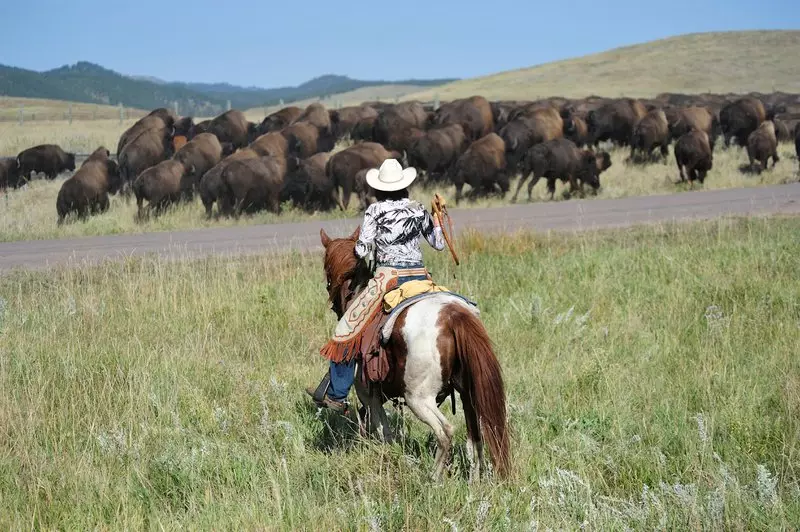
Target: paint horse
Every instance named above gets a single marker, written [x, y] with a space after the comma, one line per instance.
[437, 345]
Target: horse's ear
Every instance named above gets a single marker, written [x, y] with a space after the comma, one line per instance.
[324, 237]
[356, 233]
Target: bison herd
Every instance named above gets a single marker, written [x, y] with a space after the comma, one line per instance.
[243, 167]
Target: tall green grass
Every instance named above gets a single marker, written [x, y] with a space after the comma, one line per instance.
[652, 380]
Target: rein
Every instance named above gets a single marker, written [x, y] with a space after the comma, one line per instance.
[440, 211]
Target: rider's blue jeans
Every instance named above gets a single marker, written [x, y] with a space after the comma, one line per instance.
[342, 374]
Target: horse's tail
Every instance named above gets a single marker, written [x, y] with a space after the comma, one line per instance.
[483, 381]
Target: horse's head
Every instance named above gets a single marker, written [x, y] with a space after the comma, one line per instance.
[346, 274]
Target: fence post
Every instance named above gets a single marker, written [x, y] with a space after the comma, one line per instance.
[228, 105]
[70, 113]
[280, 102]
[21, 114]
[121, 112]
[435, 102]
[176, 107]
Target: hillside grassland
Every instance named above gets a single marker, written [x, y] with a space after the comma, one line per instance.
[39, 109]
[28, 214]
[651, 377]
[717, 62]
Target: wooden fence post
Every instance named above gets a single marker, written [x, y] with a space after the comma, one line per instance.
[228, 105]
[70, 113]
[435, 102]
[21, 114]
[176, 107]
[121, 113]
[280, 102]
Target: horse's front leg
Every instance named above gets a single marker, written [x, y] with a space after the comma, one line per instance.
[375, 414]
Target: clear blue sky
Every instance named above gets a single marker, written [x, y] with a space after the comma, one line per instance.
[271, 44]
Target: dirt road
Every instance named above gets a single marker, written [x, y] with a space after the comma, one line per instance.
[573, 215]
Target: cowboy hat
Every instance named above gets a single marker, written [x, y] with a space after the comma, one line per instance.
[391, 176]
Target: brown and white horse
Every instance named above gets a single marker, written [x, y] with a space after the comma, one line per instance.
[437, 345]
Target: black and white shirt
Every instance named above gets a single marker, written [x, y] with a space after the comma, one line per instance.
[393, 229]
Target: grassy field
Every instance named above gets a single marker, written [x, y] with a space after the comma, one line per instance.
[80, 137]
[38, 109]
[652, 382]
[737, 61]
[30, 213]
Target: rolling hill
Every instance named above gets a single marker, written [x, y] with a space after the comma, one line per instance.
[89, 83]
[720, 62]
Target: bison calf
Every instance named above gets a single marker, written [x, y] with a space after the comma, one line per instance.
[763, 144]
[87, 191]
[693, 156]
[562, 159]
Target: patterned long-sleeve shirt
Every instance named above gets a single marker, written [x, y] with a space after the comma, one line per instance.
[394, 228]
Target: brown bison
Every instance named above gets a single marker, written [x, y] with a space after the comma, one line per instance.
[49, 159]
[740, 118]
[693, 156]
[232, 126]
[87, 191]
[304, 140]
[344, 120]
[155, 119]
[683, 119]
[782, 131]
[147, 149]
[473, 114]
[198, 156]
[316, 115]
[437, 150]
[364, 130]
[272, 143]
[651, 132]
[761, 145]
[9, 173]
[212, 189]
[100, 154]
[576, 130]
[280, 119]
[562, 159]
[365, 193]
[307, 186]
[615, 121]
[198, 128]
[530, 126]
[254, 183]
[397, 126]
[343, 166]
[160, 185]
[482, 167]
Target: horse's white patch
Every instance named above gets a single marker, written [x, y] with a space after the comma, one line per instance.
[423, 375]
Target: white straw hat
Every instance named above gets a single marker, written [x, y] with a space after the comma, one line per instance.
[391, 176]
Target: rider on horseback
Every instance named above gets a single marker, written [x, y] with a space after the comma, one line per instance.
[390, 235]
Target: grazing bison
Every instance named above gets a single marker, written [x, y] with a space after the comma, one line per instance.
[693, 156]
[763, 144]
[213, 190]
[482, 167]
[198, 156]
[232, 126]
[9, 173]
[683, 119]
[364, 130]
[280, 119]
[344, 165]
[740, 118]
[782, 132]
[49, 159]
[316, 115]
[254, 183]
[304, 139]
[87, 191]
[562, 159]
[156, 119]
[365, 193]
[651, 132]
[533, 126]
[160, 185]
[615, 121]
[272, 143]
[307, 186]
[100, 154]
[437, 150]
[474, 114]
[344, 120]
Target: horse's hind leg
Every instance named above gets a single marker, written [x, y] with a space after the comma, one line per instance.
[426, 410]
[474, 440]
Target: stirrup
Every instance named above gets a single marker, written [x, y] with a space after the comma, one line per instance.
[322, 387]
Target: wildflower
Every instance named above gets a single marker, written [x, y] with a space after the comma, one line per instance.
[766, 486]
[483, 512]
[453, 527]
[701, 427]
